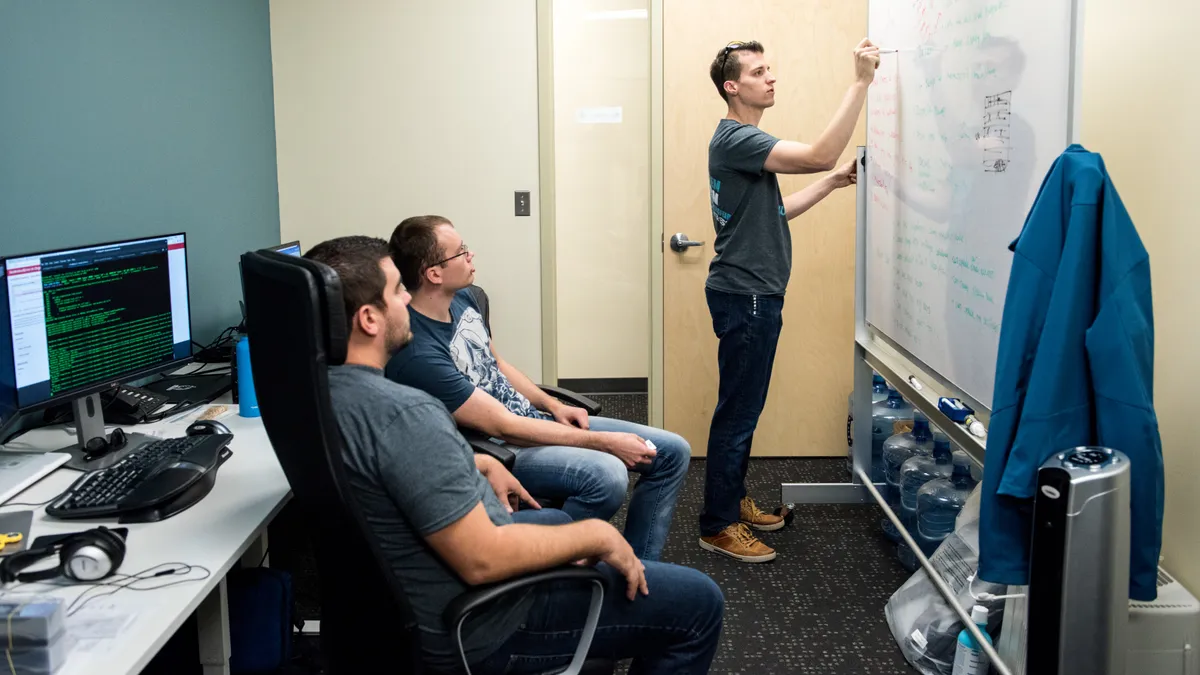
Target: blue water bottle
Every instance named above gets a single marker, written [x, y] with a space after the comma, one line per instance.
[247, 401]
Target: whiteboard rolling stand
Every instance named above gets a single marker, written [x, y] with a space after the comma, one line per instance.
[873, 351]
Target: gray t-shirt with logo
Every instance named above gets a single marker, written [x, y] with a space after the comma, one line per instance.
[753, 244]
[413, 474]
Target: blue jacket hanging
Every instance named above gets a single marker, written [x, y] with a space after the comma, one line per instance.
[1075, 366]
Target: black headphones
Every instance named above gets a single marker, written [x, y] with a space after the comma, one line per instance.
[84, 556]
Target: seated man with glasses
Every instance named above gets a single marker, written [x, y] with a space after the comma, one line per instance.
[443, 528]
[561, 453]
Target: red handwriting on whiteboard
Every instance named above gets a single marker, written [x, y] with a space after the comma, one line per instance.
[929, 22]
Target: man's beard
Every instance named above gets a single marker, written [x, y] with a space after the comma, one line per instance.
[395, 339]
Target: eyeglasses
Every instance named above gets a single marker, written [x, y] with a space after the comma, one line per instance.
[462, 250]
[731, 47]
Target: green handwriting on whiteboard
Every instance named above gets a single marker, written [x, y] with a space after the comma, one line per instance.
[977, 316]
[973, 266]
[972, 16]
[922, 136]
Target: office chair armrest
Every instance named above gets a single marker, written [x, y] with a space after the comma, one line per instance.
[571, 398]
[460, 608]
[481, 443]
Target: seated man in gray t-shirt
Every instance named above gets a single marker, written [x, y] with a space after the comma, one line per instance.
[443, 528]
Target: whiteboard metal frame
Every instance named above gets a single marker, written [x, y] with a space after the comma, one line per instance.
[1075, 77]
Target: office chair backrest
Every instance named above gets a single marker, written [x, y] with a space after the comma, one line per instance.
[297, 328]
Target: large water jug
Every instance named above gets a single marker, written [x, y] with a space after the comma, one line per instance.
[884, 416]
[939, 503]
[879, 392]
[897, 450]
[915, 473]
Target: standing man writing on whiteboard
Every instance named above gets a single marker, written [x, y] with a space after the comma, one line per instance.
[748, 276]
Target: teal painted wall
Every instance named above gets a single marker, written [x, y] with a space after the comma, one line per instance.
[128, 118]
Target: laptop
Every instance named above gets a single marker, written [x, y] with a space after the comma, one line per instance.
[19, 470]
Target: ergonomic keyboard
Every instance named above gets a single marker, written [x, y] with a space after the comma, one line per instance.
[153, 482]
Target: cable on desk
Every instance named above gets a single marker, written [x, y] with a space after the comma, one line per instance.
[183, 568]
[28, 504]
[213, 351]
[117, 582]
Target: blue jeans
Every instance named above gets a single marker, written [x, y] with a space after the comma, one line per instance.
[593, 483]
[747, 327]
[672, 631]
[540, 517]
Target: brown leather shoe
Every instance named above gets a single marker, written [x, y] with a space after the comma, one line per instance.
[754, 517]
[737, 542]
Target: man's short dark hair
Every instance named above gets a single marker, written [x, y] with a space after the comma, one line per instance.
[415, 248]
[728, 64]
[356, 261]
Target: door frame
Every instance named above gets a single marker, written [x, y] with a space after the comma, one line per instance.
[657, 244]
[546, 223]
[546, 202]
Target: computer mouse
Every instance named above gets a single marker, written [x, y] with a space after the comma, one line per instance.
[207, 427]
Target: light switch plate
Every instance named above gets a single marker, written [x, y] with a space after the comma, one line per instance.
[521, 198]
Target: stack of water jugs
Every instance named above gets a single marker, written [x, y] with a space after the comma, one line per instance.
[885, 415]
[915, 472]
[896, 451]
[888, 408]
[879, 393]
[939, 502]
[926, 484]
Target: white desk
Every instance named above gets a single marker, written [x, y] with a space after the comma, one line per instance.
[216, 532]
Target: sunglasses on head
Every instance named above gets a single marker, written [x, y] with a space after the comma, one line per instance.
[731, 47]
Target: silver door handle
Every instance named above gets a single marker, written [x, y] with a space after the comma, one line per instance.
[680, 241]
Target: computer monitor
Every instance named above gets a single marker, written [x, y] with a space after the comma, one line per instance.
[290, 248]
[8, 387]
[77, 321]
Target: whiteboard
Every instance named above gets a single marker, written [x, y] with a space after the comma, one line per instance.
[963, 123]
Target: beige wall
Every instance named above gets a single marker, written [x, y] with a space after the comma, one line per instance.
[602, 187]
[385, 110]
[1139, 105]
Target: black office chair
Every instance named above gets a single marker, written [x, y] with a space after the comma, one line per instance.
[479, 442]
[297, 328]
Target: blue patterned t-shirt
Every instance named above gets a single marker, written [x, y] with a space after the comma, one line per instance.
[449, 360]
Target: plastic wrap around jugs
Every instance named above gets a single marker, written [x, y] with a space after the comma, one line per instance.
[915, 473]
[884, 416]
[879, 392]
[939, 503]
[897, 450]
